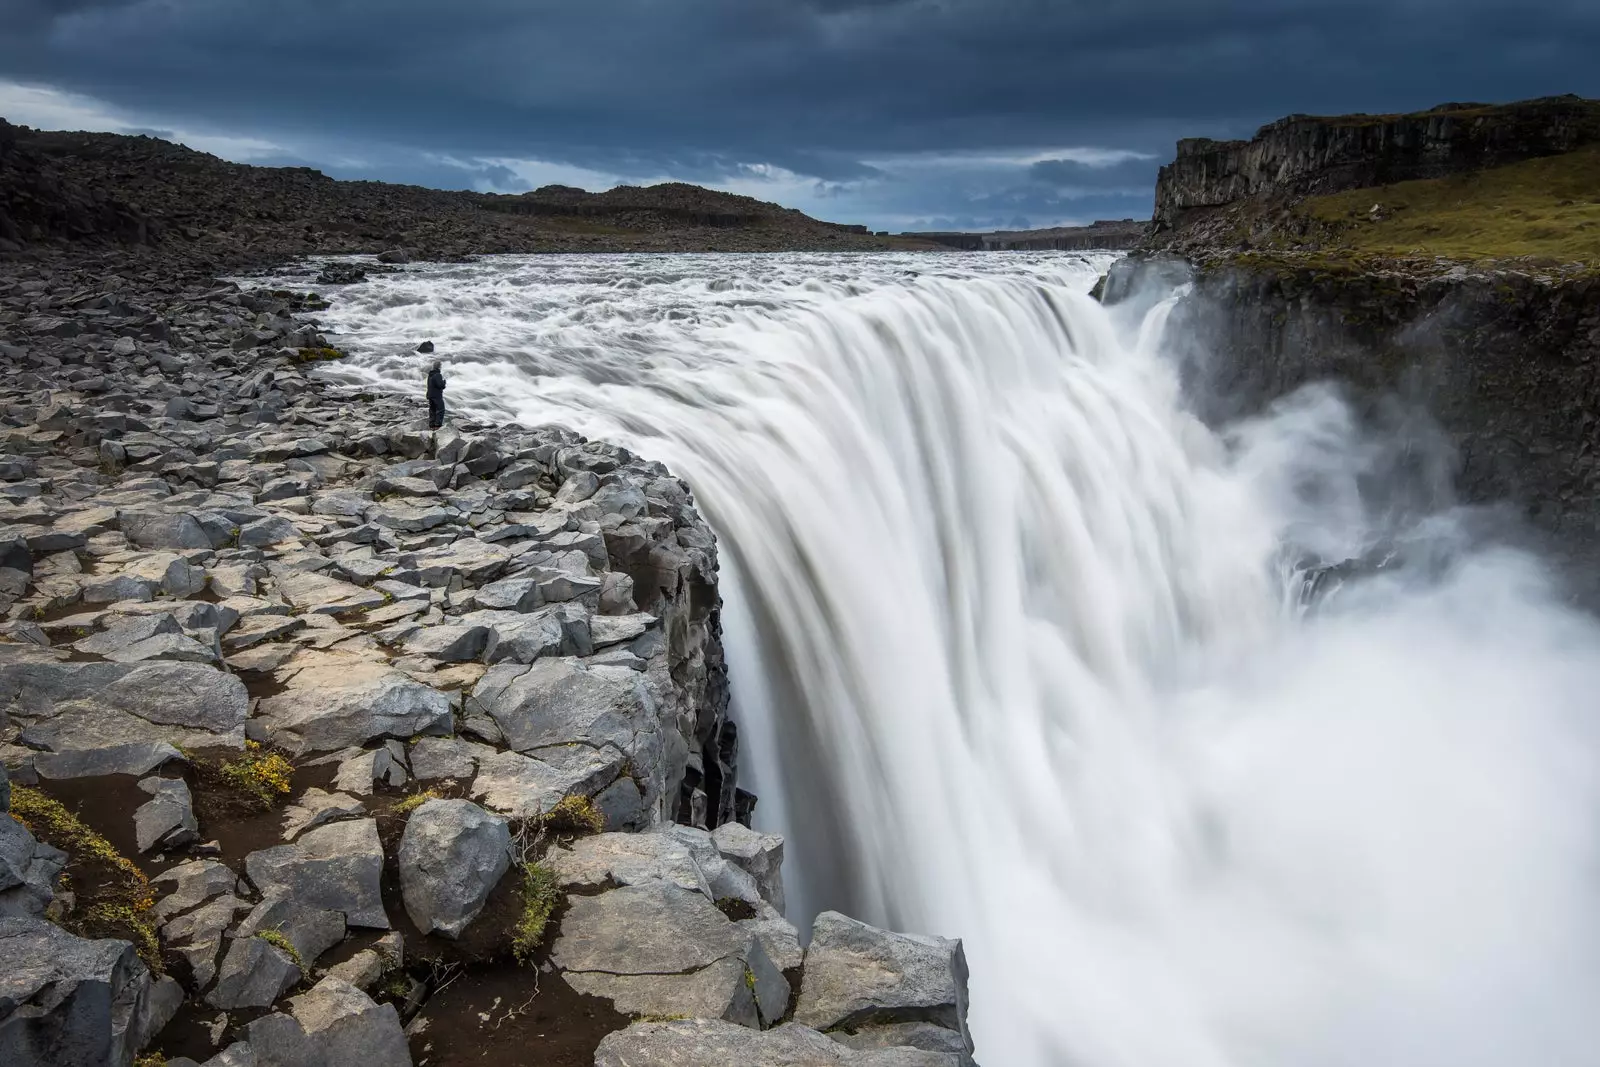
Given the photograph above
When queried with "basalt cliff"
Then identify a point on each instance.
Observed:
(1441, 268)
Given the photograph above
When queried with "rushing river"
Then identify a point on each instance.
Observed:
(1020, 656)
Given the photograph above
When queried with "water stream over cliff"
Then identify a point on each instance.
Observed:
(1019, 653)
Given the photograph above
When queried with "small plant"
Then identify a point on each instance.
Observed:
(541, 895)
(151, 1059)
(750, 979)
(397, 985)
(319, 355)
(277, 940)
(263, 775)
(574, 815)
(415, 801)
(651, 1017)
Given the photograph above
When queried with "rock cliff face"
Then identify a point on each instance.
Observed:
(1301, 154)
(1507, 362)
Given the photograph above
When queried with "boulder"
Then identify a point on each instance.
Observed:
(254, 974)
(332, 1025)
(192, 884)
(561, 701)
(452, 855)
(65, 1000)
(197, 935)
(856, 975)
(337, 867)
(619, 859)
(758, 855)
(28, 870)
(316, 807)
(312, 931)
(660, 949)
(524, 787)
(163, 529)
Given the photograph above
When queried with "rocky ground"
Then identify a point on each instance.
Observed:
(327, 737)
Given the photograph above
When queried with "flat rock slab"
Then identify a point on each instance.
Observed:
(713, 1043)
(337, 867)
(340, 702)
(185, 695)
(319, 594)
(652, 928)
(523, 787)
(619, 859)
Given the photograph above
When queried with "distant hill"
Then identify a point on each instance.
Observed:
(1115, 234)
(154, 197)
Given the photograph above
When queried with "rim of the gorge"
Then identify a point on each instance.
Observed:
(328, 736)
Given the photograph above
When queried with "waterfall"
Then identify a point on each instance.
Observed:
(1018, 652)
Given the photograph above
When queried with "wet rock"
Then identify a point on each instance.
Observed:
(856, 975)
(333, 1024)
(337, 867)
(452, 855)
(166, 819)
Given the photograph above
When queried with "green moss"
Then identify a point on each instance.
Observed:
(151, 1059)
(415, 801)
(277, 940)
(541, 895)
(319, 355)
(574, 815)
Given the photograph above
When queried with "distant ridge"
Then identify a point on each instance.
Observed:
(153, 197)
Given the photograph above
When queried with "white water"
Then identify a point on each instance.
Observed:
(1018, 659)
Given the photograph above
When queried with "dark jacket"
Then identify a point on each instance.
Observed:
(435, 385)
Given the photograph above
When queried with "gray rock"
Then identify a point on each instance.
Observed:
(162, 529)
(622, 805)
(319, 594)
(178, 648)
(333, 1025)
(118, 637)
(446, 757)
(164, 694)
(719, 990)
(713, 1043)
(312, 931)
(925, 1036)
(338, 867)
(561, 701)
(452, 855)
(459, 642)
(197, 935)
(607, 630)
(264, 533)
(856, 974)
(524, 787)
(620, 859)
(139, 757)
(727, 880)
(168, 817)
(254, 974)
(192, 884)
(510, 594)
(28, 871)
(759, 855)
(316, 807)
(65, 1000)
(778, 938)
(338, 703)
(254, 630)
(238, 1054)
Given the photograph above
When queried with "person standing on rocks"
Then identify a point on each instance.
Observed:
(435, 396)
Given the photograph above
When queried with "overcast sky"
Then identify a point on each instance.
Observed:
(901, 114)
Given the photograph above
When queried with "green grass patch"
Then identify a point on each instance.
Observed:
(415, 801)
(541, 895)
(277, 940)
(1542, 209)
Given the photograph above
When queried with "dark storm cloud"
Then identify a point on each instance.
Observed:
(831, 90)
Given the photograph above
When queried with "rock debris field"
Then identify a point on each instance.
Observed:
(330, 739)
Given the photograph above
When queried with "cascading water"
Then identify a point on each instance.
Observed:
(1018, 659)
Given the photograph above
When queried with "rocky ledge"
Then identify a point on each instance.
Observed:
(329, 737)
